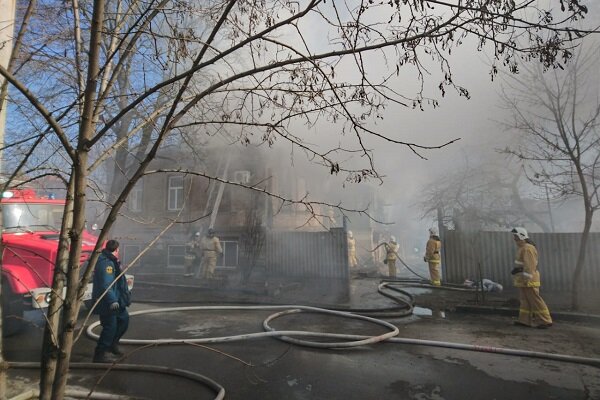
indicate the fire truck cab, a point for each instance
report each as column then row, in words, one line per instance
column 31, row 229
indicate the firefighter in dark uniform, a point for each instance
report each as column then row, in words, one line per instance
column 112, row 306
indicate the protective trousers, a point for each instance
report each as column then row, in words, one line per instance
column 209, row 263
column 114, row 325
column 352, row 261
column 391, row 268
column 435, row 273
column 189, row 261
column 533, row 310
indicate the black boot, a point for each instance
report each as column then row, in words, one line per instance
column 101, row 356
column 114, row 349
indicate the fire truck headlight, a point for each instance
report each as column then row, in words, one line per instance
column 41, row 298
column 7, row 194
column 48, row 297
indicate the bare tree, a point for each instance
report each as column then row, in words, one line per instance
column 484, row 194
column 557, row 115
column 253, row 69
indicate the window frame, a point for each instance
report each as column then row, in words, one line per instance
column 176, row 190
column 169, row 255
column 135, row 199
column 125, row 256
column 221, row 258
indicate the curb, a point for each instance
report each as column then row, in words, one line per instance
column 513, row 312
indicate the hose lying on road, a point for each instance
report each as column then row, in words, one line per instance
column 363, row 340
column 403, row 309
column 201, row 379
column 348, row 340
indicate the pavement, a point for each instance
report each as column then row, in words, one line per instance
column 271, row 369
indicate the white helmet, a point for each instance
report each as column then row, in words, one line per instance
column 433, row 231
column 350, row 234
column 520, row 233
column 393, row 239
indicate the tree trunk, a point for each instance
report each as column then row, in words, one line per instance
column 581, row 259
column 72, row 300
column 80, row 178
column 50, row 345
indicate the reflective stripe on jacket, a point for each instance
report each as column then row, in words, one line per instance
column 527, row 257
column 433, row 250
column 211, row 246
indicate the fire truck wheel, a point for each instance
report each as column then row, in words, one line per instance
column 12, row 311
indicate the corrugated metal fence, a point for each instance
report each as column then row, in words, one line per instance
column 308, row 254
column 495, row 251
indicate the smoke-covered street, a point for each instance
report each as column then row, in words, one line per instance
column 300, row 199
column 268, row 368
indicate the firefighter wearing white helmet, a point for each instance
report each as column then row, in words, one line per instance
column 352, row 260
column 433, row 257
column 210, row 246
column 391, row 255
column 533, row 311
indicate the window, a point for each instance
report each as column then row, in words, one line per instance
column 175, row 256
column 241, row 177
column 34, row 217
column 175, row 201
column 229, row 258
column 130, row 251
column 134, row 201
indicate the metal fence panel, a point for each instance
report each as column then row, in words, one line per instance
column 308, row 254
column 495, row 252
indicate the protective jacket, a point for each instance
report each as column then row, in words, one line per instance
column 210, row 247
column 190, row 254
column 108, row 268
column 527, row 258
column 352, row 261
column 351, row 246
column 391, row 249
column 433, row 249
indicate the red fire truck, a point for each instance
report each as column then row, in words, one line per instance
column 30, row 237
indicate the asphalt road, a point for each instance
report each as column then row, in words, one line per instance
column 271, row 369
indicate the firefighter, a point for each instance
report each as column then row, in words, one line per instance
column 112, row 305
column 352, row 261
column 210, row 246
column 189, row 258
column 391, row 254
column 433, row 257
column 533, row 311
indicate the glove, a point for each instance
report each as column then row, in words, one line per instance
column 516, row 270
column 114, row 306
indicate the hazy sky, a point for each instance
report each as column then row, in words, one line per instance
column 475, row 121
